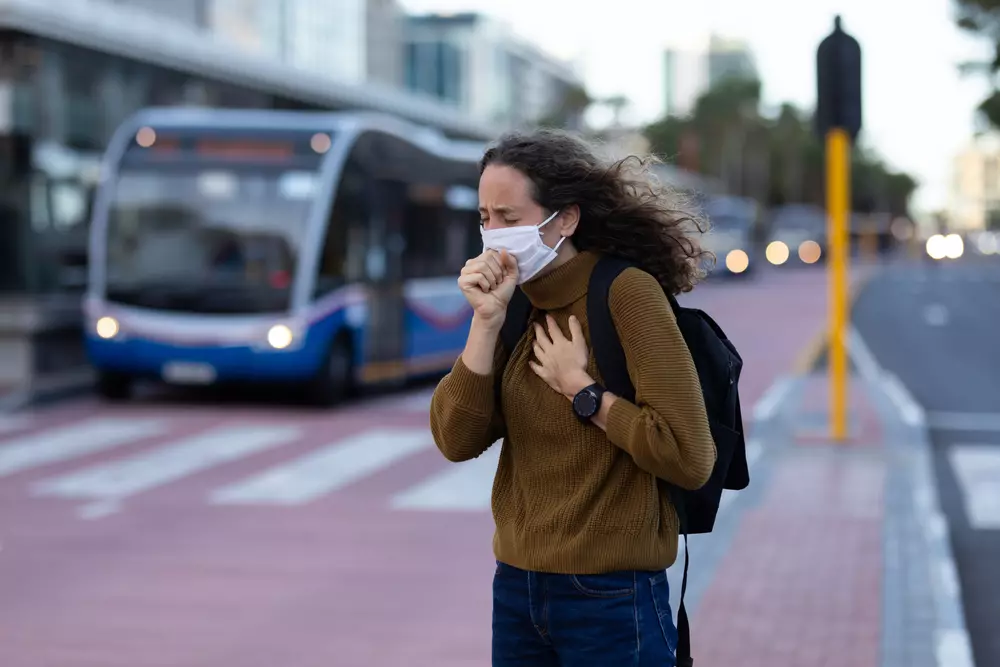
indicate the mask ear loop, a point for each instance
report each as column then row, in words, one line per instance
column 547, row 221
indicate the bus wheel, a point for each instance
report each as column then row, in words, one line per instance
column 114, row 386
column 335, row 381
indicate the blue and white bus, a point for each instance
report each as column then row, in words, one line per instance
column 316, row 249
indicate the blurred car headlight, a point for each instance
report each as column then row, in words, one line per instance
column 954, row 247
column 988, row 244
column 737, row 261
column 810, row 252
column 936, row 247
column 107, row 327
column 776, row 252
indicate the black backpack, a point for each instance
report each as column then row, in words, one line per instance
column 719, row 366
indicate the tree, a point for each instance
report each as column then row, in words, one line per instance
column 569, row 111
column 982, row 18
column 774, row 160
column 617, row 104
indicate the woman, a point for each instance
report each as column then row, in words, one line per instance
column 583, row 532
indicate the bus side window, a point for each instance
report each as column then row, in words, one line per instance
column 342, row 257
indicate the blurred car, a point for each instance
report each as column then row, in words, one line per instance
column 731, row 237
column 797, row 235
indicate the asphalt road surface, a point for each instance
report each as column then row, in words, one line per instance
column 177, row 532
column 937, row 327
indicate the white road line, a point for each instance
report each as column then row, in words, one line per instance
column 768, row 404
column 977, row 469
column 954, row 649
column 909, row 410
column 862, row 356
column 935, row 315
column 965, row 421
column 466, row 486
column 121, row 479
column 331, row 468
column 73, row 440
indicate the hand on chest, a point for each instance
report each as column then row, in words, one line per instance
column 554, row 353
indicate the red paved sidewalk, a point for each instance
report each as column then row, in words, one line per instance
column 801, row 584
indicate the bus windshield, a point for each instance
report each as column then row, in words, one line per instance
column 209, row 221
column 206, row 240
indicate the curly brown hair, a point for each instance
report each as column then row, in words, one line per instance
column 624, row 210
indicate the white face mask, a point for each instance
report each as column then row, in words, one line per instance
column 525, row 244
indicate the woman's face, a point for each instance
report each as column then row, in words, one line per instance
column 505, row 201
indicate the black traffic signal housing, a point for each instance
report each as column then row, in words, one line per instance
column 838, row 82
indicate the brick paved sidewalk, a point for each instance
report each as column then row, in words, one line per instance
column 829, row 558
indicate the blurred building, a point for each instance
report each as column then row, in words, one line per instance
column 353, row 41
column 729, row 58
column 974, row 197
column 477, row 64
column 191, row 13
column 691, row 71
column 72, row 70
column 685, row 78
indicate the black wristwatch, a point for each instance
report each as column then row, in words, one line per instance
column 587, row 402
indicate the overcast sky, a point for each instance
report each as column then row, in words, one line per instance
column 918, row 110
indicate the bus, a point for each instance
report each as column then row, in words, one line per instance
column 319, row 250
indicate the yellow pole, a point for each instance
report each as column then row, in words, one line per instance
column 838, row 198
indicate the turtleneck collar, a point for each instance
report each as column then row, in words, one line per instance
column 563, row 285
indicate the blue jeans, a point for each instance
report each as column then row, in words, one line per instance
column 617, row 619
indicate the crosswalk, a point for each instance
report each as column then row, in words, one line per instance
column 120, row 458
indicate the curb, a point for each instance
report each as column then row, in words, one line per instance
column 809, row 358
column 68, row 386
column 953, row 647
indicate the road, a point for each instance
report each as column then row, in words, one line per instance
column 168, row 532
column 936, row 327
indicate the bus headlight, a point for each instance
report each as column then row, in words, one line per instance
column 107, row 327
column 280, row 336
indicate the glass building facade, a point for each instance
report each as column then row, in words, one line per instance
column 59, row 106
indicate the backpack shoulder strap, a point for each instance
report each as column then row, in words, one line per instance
column 514, row 326
column 516, row 321
column 608, row 351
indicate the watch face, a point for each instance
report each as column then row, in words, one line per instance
column 585, row 404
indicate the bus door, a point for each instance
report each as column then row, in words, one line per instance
column 386, row 331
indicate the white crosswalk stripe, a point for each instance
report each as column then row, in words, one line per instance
column 73, row 440
column 462, row 487
column 121, row 479
column 977, row 469
column 331, row 468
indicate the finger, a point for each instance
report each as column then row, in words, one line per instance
column 542, row 337
column 496, row 267
column 539, row 352
column 576, row 330
column 554, row 331
column 508, row 262
column 537, row 368
column 485, row 284
column 471, row 279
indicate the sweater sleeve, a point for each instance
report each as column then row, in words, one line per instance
column 465, row 411
column 666, row 430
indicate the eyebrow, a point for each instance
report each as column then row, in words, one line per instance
column 499, row 209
